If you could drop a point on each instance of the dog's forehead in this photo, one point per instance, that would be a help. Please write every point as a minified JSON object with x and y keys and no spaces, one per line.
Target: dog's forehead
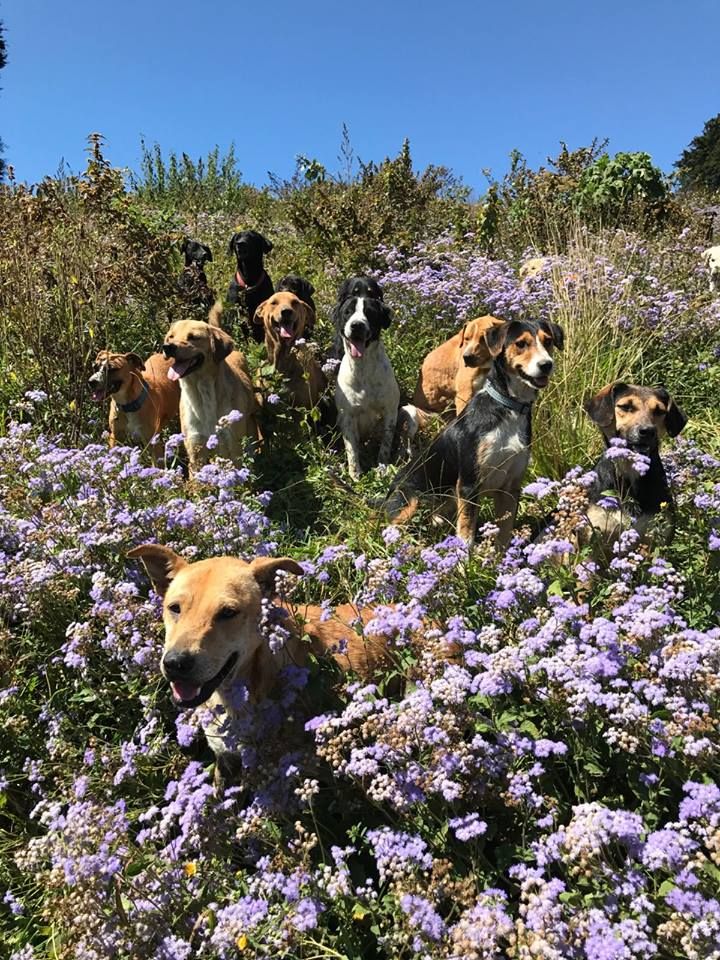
{"x":181,"y":328}
{"x":212,"y":582}
{"x":643,"y":396}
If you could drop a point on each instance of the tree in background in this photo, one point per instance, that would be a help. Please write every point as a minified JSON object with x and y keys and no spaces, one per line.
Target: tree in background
{"x":3,"y":61}
{"x":699,"y":165}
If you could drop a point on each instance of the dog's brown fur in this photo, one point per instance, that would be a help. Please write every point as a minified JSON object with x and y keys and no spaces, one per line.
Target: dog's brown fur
{"x":220,"y":384}
{"x":160,"y":407}
{"x":635,"y":407}
{"x":453,"y":373}
{"x":284,"y":313}
{"x":212,"y":610}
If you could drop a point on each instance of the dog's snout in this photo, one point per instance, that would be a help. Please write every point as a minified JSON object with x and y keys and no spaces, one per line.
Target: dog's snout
{"x":357,"y":327}
{"x":178,"y":664}
{"x":169,"y":349}
{"x":647,"y":433}
{"x":545,"y":366}
{"x":286,"y":314}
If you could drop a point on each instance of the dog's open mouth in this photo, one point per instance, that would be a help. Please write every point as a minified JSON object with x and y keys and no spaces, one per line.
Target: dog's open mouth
{"x":286,"y":330}
{"x":181,"y":368}
{"x":100,"y":393}
{"x":357,"y":347}
{"x":537,"y":382}
{"x":190,"y":695}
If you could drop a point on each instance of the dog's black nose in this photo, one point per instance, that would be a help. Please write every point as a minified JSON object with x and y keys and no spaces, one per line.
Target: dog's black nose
{"x":545,"y":367}
{"x":286,"y":313}
{"x":178,"y":664}
{"x":169,"y":349}
{"x":356,"y":328}
{"x":647,"y":433}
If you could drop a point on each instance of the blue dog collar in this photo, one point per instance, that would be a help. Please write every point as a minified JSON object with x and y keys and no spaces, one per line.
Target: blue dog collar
{"x":137,"y":403}
{"x":505,"y":400}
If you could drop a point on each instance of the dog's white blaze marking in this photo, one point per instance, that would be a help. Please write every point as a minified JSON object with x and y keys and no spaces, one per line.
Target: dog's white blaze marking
{"x":357,"y":316}
{"x":539,"y":357}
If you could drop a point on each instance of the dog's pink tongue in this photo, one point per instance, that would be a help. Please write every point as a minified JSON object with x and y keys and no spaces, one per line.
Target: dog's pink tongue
{"x":286,"y":333}
{"x":184,"y":691}
{"x":355,"y":350}
{"x":176,"y":371}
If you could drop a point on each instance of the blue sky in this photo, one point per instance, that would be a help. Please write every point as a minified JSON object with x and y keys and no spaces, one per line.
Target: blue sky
{"x":465,"y":81}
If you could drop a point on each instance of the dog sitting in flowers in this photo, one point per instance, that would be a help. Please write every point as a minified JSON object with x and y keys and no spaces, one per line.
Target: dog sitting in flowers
{"x":633,"y":420}
{"x":486,"y":450}
{"x":212,"y":611}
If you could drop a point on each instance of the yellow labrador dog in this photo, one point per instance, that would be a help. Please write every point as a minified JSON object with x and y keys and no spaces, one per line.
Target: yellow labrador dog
{"x":214,"y":380}
{"x":212,"y":611}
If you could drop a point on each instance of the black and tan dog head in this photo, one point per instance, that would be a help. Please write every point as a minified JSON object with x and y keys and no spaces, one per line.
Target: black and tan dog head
{"x":641,"y":416}
{"x":524,"y":349}
{"x":211,"y":612}
{"x":193,"y":343}
{"x":359,"y":321}
{"x":285,"y":318}
{"x":113,"y":373}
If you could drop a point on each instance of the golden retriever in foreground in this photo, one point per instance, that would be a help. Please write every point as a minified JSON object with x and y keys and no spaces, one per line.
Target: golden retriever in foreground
{"x":214,"y":380}
{"x":212,"y":611}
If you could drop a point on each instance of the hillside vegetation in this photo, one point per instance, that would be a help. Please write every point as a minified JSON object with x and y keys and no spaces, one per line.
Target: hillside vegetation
{"x":551,"y":790}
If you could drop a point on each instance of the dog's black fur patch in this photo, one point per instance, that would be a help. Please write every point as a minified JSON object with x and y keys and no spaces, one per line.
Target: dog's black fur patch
{"x":249,"y":248}
{"x":303,"y":290}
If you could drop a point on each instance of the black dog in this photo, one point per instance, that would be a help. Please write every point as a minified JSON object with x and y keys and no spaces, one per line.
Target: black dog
{"x":251,"y":285}
{"x":359,"y":286}
{"x":485,"y":451}
{"x":302,"y":289}
{"x":192,"y":282}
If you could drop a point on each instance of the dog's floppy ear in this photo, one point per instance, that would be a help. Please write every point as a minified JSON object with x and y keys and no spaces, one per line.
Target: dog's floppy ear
{"x":495,"y":338}
{"x":161,"y":563}
{"x":601,"y":407}
{"x":231,"y":245}
{"x":462,"y":335}
{"x":185,"y":245}
{"x":135,"y":361}
{"x":221,"y":343}
{"x":307,"y":318}
{"x":261,"y":312}
{"x":556,"y":332}
{"x":266,"y":244}
{"x":675,"y":419}
{"x":208,"y":253}
{"x":264,"y":569}
{"x":344,"y":291}
{"x":385,"y":315}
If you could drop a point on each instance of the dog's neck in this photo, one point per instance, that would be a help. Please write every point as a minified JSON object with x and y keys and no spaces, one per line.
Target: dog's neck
{"x":130,"y":394}
{"x":648,"y":490}
{"x":358,"y":366}
{"x":245,"y":281}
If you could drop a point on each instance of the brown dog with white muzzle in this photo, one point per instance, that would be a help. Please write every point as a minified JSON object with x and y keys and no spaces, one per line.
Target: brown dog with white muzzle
{"x":142,"y":398}
{"x":284,"y":318}
{"x":212,"y":611}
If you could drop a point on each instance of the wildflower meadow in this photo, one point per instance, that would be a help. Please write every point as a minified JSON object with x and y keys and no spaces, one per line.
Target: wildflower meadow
{"x":536,"y":772}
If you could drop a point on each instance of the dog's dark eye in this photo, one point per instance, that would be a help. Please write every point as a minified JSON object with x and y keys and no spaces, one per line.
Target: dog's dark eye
{"x":191,"y":336}
{"x":521,"y":344}
{"x":626,"y":407}
{"x":227,"y":613}
{"x":174,"y":608}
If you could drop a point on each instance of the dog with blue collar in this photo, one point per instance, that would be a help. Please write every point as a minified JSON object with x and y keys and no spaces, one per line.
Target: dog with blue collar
{"x":485,"y":451}
{"x":143,"y":399}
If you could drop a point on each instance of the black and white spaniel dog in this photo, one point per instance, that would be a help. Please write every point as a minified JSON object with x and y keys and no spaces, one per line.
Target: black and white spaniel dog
{"x":251,"y":284}
{"x":366,"y":394}
{"x":359,"y":286}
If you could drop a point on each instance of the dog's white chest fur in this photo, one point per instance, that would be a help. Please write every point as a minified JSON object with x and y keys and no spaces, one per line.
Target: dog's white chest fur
{"x":198,"y":407}
{"x":503,"y":454}
{"x":367,"y":389}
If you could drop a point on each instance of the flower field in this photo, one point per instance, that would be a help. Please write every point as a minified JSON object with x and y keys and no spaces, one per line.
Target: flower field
{"x":537,"y":773}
